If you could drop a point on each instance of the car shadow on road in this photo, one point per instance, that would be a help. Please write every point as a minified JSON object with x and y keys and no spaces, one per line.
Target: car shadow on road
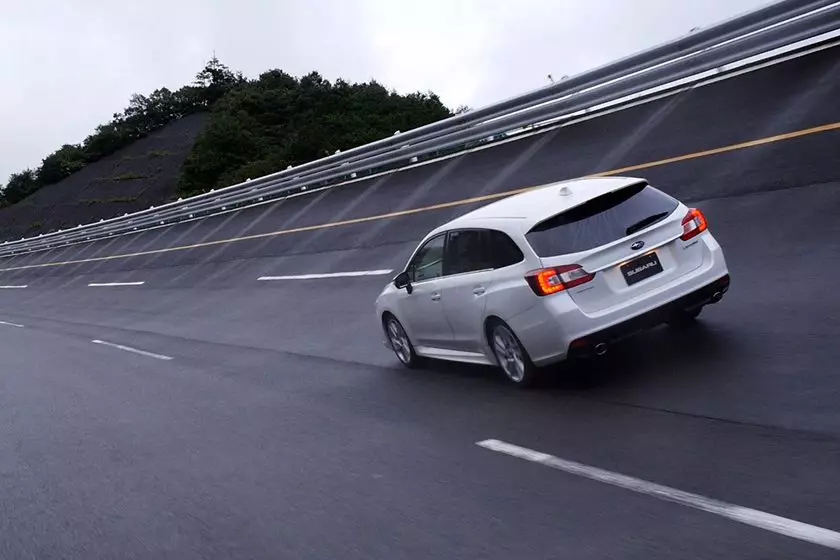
{"x":647,"y":357}
{"x":690,"y":353}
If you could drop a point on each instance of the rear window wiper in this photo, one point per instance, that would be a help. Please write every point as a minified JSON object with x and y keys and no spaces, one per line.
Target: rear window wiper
{"x":642,"y":224}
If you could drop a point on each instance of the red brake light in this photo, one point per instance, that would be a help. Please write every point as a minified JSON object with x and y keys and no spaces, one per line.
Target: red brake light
{"x":556,"y":279}
{"x":547,"y":282}
{"x":693,"y":224}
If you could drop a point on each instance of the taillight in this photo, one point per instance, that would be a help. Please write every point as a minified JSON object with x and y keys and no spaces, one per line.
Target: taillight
{"x":693,"y":224}
{"x":558,"y":278}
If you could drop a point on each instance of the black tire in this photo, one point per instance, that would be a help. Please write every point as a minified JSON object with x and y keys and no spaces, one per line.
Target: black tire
{"x":684,"y":317}
{"x":403,"y":349}
{"x":514,"y":361}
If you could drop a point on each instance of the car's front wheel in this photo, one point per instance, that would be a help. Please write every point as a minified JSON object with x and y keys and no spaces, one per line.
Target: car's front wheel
{"x":511,"y":355}
{"x":400,"y":343}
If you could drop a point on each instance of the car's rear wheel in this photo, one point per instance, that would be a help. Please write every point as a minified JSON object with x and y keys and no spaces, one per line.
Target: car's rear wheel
{"x":511,"y":355}
{"x":684,"y":317}
{"x":400,"y":343}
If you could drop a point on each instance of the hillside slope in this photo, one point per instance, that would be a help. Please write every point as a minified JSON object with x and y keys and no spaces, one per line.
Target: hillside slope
{"x":142,"y":174}
{"x":217,"y":131}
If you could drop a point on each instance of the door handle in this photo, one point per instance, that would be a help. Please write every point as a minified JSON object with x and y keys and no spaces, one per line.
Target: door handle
{"x":479,"y":291}
{"x":435,"y":296}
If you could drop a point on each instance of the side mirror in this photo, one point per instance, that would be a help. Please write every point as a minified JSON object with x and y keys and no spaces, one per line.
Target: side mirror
{"x":402,"y":280}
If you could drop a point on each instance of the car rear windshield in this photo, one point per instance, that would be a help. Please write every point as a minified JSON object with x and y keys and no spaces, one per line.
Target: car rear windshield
{"x":601,"y":220}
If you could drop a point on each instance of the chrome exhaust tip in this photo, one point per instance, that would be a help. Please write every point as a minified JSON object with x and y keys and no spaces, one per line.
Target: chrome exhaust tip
{"x":717,"y":297}
{"x":601,"y":348}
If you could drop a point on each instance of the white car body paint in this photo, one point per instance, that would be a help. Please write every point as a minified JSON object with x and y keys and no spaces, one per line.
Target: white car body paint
{"x":446,"y":316}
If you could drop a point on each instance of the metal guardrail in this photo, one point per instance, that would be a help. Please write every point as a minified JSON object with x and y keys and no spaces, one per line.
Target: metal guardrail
{"x":778,"y":25}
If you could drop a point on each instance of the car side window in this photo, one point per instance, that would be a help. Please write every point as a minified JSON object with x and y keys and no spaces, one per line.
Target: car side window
{"x":467,"y":251}
{"x":428,"y":262}
{"x":479,"y":249}
{"x":503,"y":250}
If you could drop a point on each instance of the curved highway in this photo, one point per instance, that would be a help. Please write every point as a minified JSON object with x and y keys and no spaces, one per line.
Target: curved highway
{"x":159,"y":399}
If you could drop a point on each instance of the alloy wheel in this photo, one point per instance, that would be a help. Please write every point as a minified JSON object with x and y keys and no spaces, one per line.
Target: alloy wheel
{"x":399,"y":341}
{"x":509,"y":353}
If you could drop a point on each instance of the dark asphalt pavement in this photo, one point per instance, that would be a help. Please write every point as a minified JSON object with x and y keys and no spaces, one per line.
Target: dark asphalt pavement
{"x":281,"y":428}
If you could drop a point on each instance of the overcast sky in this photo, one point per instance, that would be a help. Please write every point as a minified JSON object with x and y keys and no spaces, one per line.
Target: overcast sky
{"x":68,"y":65}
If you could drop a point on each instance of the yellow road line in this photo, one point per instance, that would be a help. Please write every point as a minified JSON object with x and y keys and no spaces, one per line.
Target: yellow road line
{"x":725,"y":149}
{"x":454,"y":203}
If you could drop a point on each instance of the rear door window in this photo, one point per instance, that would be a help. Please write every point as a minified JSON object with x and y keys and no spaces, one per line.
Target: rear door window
{"x":600,"y":221}
{"x":503,"y":251}
{"x":466,"y":251}
{"x":479,"y":249}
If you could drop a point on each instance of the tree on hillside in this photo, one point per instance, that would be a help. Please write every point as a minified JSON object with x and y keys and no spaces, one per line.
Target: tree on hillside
{"x":215,"y":80}
{"x":60,"y":164}
{"x":107,"y":139}
{"x":265,"y":125}
{"x":227,"y":143}
{"x":20,"y":186}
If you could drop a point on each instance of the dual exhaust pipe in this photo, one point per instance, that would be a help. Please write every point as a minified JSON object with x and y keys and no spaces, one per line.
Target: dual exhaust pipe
{"x":601,"y":348}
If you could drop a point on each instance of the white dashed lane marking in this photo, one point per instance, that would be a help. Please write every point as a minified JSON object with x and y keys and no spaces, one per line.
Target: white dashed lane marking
{"x":328,"y":275}
{"x":747,"y":516}
{"x":133,"y":350}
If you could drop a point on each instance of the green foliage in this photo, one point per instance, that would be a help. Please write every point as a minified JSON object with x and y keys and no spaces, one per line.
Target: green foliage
{"x":129,"y":177}
{"x":267,"y":124}
{"x":225,"y":144}
{"x":60,"y":164}
{"x":215,"y":80}
{"x":159,"y":153}
{"x":151,"y":154}
{"x":113,"y":200}
{"x":19,"y":186}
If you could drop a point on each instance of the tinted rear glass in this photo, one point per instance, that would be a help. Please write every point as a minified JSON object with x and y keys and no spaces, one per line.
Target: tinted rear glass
{"x":479,"y":249}
{"x":601,"y":220}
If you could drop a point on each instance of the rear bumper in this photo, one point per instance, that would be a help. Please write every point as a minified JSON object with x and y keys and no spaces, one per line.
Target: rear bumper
{"x":711,"y":293}
{"x":553,"y":328}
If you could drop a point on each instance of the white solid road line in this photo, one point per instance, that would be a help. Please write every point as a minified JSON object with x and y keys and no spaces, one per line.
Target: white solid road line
{"x":111,"y":284}
{"x":11,"y":324}
{"x":755,"y":518}
{"x":13,"y":287}
{"x":328,"y":275}
{"x":134,"y":350}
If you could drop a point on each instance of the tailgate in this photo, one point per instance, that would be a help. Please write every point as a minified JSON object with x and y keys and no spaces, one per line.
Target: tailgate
{"x":623,"y":272}
{"x":628,"y":238}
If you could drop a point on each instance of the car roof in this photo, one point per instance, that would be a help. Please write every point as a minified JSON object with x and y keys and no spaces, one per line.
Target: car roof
{"x":535,"y":205}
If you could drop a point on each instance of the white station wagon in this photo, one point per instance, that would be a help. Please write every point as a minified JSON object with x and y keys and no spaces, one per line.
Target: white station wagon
{"x":557,"y":272}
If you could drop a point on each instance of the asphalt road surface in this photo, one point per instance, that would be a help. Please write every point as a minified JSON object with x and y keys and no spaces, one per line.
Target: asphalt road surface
{"x":198,"y":412}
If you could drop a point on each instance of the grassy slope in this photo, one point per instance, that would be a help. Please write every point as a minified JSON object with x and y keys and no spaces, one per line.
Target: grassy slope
{"x":134,"y":178}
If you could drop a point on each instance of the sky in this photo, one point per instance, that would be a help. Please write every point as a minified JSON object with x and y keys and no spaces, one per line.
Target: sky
{"x":68,"y":66}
